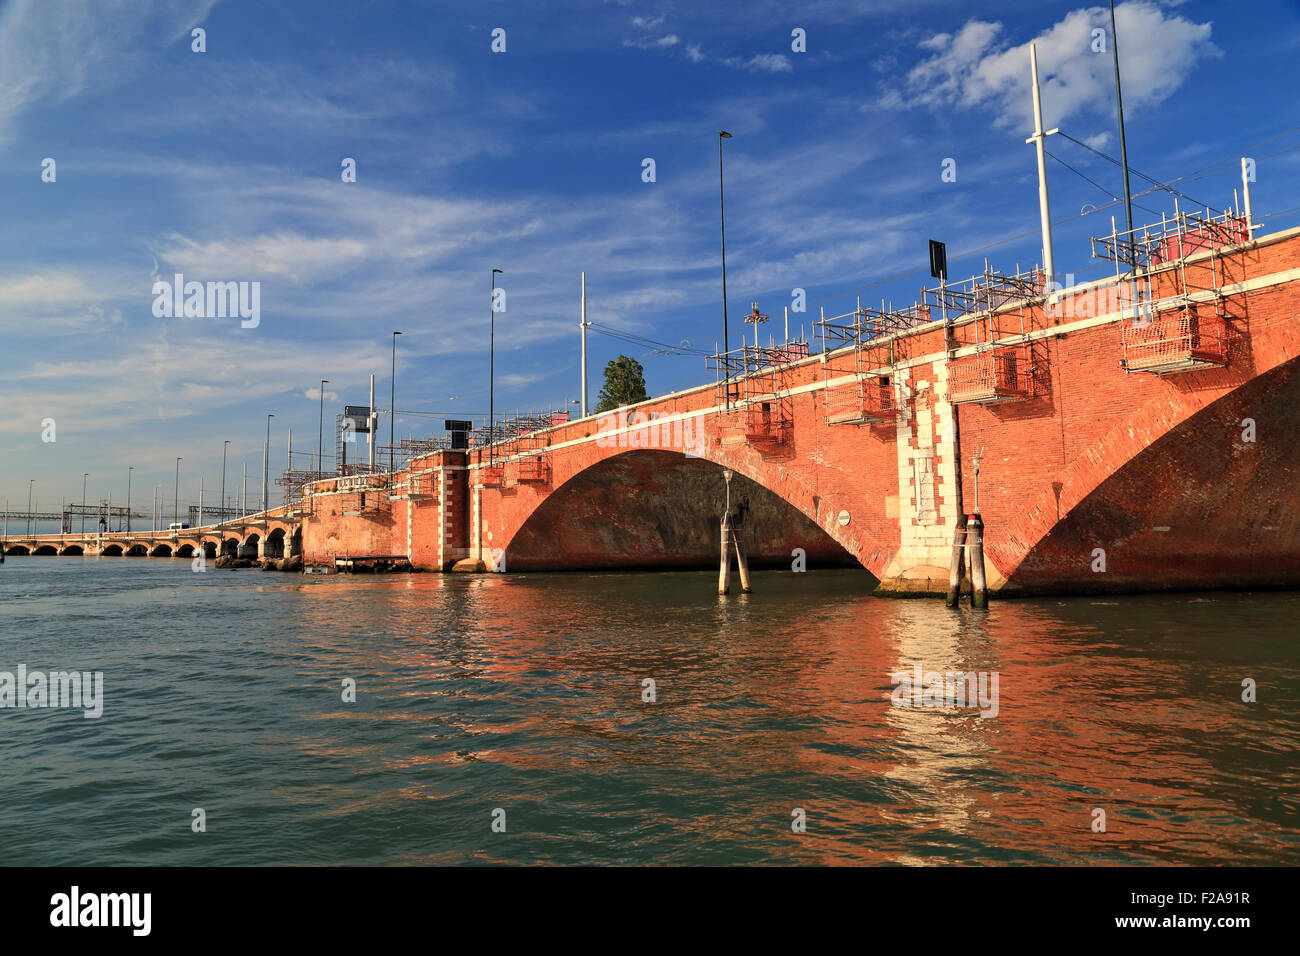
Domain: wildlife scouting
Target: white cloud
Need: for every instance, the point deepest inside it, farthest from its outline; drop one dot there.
(50, 52)
(764, 63)
(694, 53)
(977, 68)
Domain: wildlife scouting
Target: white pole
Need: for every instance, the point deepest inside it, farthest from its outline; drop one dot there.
(370, 434)
(245, 508)
(200, 524)
(583, 326)
(787, 325)
(1037, 140)
(1245, 198)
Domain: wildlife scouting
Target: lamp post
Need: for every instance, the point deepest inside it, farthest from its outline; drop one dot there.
(221, 515)
(392, 415)
(492, 335)
(722, 219)
(176, 492)
(84, 476)
(266, 464)
(128, 498)
(30, 482)
(320, 429)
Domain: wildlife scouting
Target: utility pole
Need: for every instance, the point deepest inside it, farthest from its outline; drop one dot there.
(224, 446)
(83, 501)
(244, 508)
(722, 219)
(1043, 206)
(583, 325)
(320, 429)
(266, 464)
(128, 498)
(371, 424)
(1123, 157)
(176, 492)
(492, 379)
(392, 415)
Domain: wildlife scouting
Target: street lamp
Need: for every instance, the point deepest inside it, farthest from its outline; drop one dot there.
(722, 218)
(176, 492)
(492, 335)
(222, 513)
(392, 416)
(30, 482)
(84, 476)
(266, 464)
(128, 498)
(320, 430)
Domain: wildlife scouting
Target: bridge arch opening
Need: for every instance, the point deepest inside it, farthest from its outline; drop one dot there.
(135, 551)
(661, 509)
(295, 543)
(249, 548)
(209, 549)
(161, 551)
(274, 544)
(115, 550)
(230, 547)
(45, 550)
(73, 550)
(18, 550)
(185, 551)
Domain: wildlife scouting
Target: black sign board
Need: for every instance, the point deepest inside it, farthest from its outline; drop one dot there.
(459, 432)
(938, 260)
(359, 415)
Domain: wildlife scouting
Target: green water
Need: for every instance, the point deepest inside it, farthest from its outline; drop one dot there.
(523, 692)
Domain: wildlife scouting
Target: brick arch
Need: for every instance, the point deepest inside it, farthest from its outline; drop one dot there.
(1168, 467)
(658, 508)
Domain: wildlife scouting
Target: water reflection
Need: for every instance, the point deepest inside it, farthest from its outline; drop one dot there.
(524, 691)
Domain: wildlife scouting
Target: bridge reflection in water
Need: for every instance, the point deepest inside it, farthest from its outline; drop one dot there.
(524, 691)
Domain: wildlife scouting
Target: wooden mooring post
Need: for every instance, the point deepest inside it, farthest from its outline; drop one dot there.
(958, 556)
(732, 524)
(724, 570)
(968, 537)
(975, 537)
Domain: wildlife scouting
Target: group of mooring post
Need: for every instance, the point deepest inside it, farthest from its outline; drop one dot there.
(968, 537)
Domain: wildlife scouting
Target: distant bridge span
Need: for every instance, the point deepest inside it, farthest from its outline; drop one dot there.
(274, 534)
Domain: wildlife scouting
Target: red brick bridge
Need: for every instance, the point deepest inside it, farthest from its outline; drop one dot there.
(1113, 454)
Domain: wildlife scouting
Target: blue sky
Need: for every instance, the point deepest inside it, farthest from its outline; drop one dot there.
(225, 166)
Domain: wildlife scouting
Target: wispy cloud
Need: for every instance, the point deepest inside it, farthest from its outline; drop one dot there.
(977, 67)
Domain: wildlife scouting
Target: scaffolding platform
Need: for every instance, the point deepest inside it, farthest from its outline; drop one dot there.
(998, 374)
(1181, 340)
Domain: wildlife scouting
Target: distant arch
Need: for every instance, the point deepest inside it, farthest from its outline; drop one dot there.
(18, 549)
(274, 544)
(73, 550)
(135, 551)
(46, 550)
(112, 551)
(249, 548)
(161, 551)
(230, 547)
(185, 551)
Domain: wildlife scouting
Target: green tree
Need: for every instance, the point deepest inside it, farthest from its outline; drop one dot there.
(624, 384)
